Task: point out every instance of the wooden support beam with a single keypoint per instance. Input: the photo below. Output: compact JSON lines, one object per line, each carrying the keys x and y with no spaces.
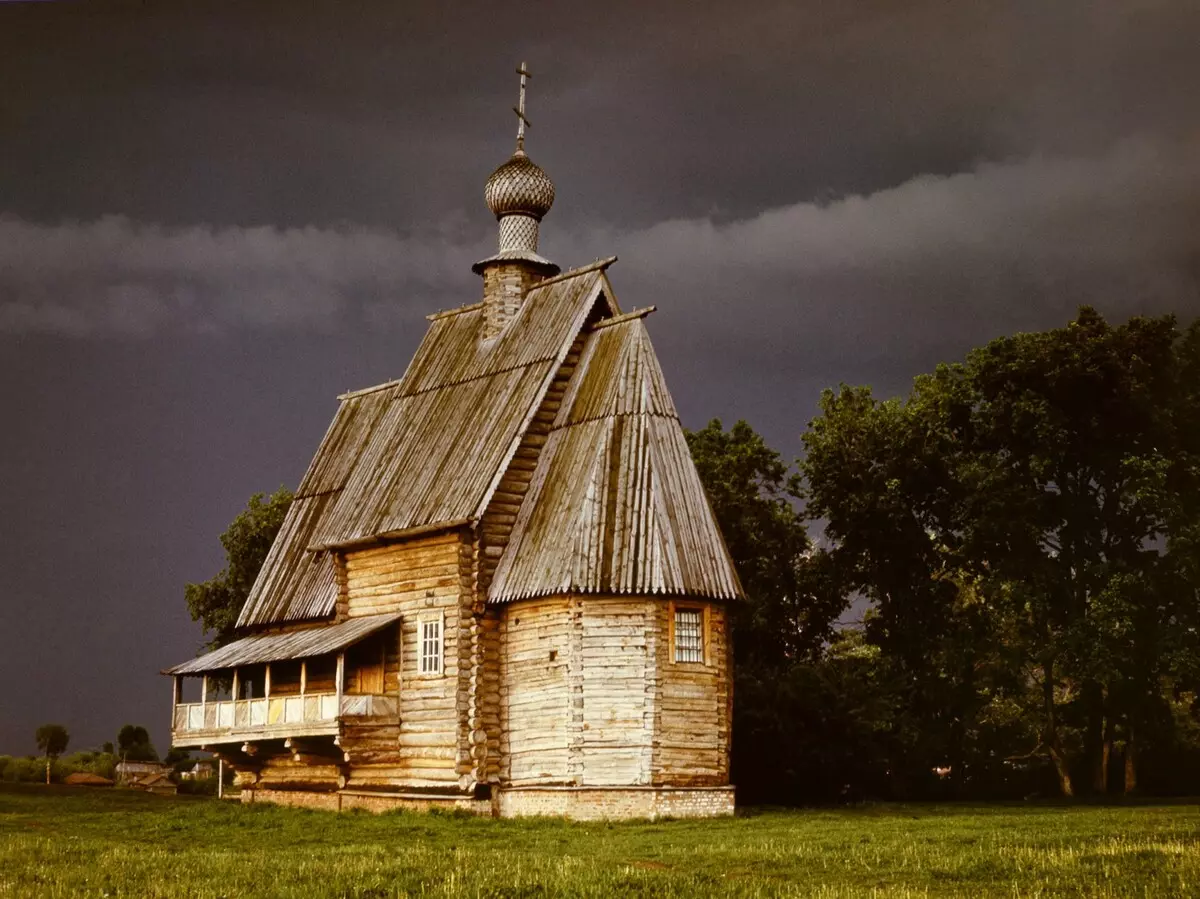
{"x":340,"y":681}
{"x":176,"y":696}
{"x":303,"y":676}
{"x":267,"y":681}
{"x":203,"y":689}
{"x":236,"y":684}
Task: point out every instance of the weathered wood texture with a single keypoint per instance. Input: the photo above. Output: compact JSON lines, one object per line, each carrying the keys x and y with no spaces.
{"x":400,"y":577}
{"x":535,"y":706}
{"x":693,"y":706}
{"x":422,"y":578}
{"x":501,"y":513}
{"x":591,"y":695}
{"x":615,"y":504}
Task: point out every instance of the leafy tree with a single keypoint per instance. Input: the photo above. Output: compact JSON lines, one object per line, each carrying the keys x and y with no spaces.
{"x":1028,"y":517}
{"x":133,"y":744}
{"x":52,"y":742}
{"x":882,"y":476}
{"x":752,"y":493}
{"x":789,"y":608}
{"x":218,"y":601}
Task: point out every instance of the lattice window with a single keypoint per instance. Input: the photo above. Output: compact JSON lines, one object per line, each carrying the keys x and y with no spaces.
{"x":431,"y":646}
{"x":689,"y":635}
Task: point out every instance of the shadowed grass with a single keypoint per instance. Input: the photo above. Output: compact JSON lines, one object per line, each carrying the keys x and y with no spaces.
{"x":59,"y":842}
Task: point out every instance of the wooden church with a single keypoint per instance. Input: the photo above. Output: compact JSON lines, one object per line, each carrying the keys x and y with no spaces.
{"x":500,"y":587}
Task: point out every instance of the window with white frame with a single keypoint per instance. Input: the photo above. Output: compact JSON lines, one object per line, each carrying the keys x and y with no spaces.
{"x":689,"y":635}
{"x":430,"y":655}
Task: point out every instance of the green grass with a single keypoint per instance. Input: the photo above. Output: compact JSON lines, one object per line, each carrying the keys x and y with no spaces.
{"x":75,"y":842}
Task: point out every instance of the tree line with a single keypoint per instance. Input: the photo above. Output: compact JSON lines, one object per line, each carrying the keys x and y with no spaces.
{"x":987,"y":588}
{"x":1016,"y":545}
{"x":133,"y":744}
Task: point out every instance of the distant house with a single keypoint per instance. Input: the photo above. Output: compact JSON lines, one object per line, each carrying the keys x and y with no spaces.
{"x":153,"y":777}
{"x":154,"y":783}
{"x":86,"y":779}
{"x":126,"y":771}
{"x":199,"y":771}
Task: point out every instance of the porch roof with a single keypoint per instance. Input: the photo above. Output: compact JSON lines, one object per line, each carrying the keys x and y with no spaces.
{"x":299,"y":644}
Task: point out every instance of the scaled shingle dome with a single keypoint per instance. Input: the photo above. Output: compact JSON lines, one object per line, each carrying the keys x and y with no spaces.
{"x":519,"y":187}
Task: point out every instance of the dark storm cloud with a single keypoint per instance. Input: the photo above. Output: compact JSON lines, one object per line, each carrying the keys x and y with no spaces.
{"x":216,"y":215}
{"x":117,"y":277}
{"x":1006,"y":245}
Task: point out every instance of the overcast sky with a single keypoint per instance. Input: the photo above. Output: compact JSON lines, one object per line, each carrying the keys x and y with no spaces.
{"x":215,"y":216}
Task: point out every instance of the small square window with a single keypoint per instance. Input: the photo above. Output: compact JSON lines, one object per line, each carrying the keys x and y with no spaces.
{"x":689,"y":635}
{"x":430,"y":656}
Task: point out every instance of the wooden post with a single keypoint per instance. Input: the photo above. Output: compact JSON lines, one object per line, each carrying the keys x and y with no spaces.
{"x":399,"y":662}
{"x":234,"y":688}
{"x":267,"y":682}
{"x":176,"y":696}
{"x":220,"y":778}
{"x":340,"y":681}
{"x":303,"y":676}
{"x":203,"y":689}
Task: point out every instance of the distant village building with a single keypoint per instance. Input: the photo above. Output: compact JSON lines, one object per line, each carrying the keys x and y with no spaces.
{"x":199,"y":771}
{"x":86,"y":779}
{"x":500,"y":587}
{"x":151,"y":777}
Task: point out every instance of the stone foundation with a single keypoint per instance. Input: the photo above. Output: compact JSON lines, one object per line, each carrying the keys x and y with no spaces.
{"x":616,"y":803}
{"x":576,"y":803}
{"x":345,"y":800}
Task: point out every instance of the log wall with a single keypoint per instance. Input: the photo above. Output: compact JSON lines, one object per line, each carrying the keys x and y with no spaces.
{"x":431,"y":747}
{"x":535,"y":706}
{"x":694,"y":704}
{"x":591,"y":695}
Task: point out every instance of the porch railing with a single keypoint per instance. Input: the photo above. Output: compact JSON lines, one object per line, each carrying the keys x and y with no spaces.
{"x":280,"y":712}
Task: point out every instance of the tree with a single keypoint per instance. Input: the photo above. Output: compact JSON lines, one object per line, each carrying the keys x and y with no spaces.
{"x":133,"y":744}
{"x":882,"y":476}
{"x":752,"y":492}
{"x":217,"y":602}
{"x":52,"y":742}
{"x":1039,"y":499}
{"x":788,"y":614}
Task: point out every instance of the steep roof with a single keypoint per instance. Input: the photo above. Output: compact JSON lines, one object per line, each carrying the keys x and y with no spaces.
{"x":426,"y":450}
{"x":616,"y":504}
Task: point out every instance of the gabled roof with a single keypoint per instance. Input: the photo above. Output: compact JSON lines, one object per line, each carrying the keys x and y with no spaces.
{"x":616,"y":504}
{"x":427,"y":450}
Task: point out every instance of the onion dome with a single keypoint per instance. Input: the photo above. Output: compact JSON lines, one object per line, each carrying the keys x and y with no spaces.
{"x":519,"y":187}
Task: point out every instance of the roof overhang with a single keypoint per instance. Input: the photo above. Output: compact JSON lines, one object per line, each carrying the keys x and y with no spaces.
{"x":300,"y":644}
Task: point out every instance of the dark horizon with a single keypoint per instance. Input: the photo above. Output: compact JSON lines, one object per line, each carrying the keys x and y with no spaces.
{"x":215,"y":217}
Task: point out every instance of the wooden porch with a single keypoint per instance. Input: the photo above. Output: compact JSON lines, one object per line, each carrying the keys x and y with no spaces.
{"x":279,"y":687}
{"x":252,"y":720}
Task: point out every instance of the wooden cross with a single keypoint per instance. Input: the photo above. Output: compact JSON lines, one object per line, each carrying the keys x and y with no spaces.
{"x":522,"y":122}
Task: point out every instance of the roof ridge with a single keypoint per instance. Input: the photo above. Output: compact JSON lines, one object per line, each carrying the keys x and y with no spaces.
{"x":352,"y":394}
{"x":457,"y":310}
{"x":598,"y":265}
{"x":604,"y":415}
{"x":491,"y":374}
{"x":632,"y":315}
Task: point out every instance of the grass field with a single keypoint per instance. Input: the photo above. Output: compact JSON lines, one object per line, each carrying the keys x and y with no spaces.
{"x":74,"y":842}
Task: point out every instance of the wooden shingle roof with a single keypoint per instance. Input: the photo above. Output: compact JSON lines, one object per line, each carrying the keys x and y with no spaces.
{"x":423,"y":451}
{"x":616,"y":504}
